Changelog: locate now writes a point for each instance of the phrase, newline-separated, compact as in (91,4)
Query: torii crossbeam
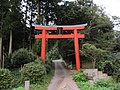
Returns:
(60,29)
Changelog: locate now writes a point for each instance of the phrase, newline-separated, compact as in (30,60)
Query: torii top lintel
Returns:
(65,27)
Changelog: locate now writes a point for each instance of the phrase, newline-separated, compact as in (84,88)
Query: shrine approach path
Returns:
(62,79)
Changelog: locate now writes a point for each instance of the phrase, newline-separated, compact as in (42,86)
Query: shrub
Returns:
(21,57)
(111,67)
(34,71)
(116,74)
(37,47)
(17,77)
(5,79)
(7,61)
(80,76)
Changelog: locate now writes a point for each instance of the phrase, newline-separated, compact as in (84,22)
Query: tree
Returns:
(99,30)
(116,22)
(117,41)
(46,15)
(28,8)
(12,20)
(4,8)
(46,10)
(92,53)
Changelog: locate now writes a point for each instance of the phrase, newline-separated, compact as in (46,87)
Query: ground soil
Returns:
(62,79)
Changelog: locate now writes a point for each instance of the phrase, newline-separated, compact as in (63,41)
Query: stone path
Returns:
(62,79)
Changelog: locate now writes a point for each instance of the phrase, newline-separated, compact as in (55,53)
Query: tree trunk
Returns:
(38,8)
(10,43)
(0,50)
(1,45)
(30,35)
(3,63)
(94,62)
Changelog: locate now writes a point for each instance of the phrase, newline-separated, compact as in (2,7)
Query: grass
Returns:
(39,86)
(84,84)
(44,84)
(17,77)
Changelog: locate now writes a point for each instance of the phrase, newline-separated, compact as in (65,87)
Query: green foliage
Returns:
(88,86)
(107,57)
(66,49)
(19,88)
(37,47)
(116,67)
(117,41)
(52,55)
(99,31)
(34,71)
(99,85)
(117,86)
(84,84)
(5,79)
(80,77)
(16,77)
(100,88)
(40,85)
(7,61)
(111,66)
(36,87)
(104,83)
(92,53)
(21,57)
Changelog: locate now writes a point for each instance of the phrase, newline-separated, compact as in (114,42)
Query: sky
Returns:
(112,7)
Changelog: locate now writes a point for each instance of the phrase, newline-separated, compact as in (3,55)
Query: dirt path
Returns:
(62,79)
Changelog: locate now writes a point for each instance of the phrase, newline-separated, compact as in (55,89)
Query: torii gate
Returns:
(60,29)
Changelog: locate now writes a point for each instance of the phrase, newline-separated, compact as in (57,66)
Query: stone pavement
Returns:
(62,79)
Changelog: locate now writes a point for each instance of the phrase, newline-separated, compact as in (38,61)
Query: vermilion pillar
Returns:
(43,47)
(76,44)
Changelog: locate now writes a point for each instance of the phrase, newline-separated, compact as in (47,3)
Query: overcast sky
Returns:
(112,7)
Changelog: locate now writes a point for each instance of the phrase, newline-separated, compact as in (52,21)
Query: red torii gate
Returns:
(75,35)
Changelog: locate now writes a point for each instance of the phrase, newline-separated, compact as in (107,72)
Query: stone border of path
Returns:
(94,75)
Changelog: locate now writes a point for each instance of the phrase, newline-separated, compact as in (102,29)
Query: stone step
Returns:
(105,75)
(94,75)
(100,73)
(90,72)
